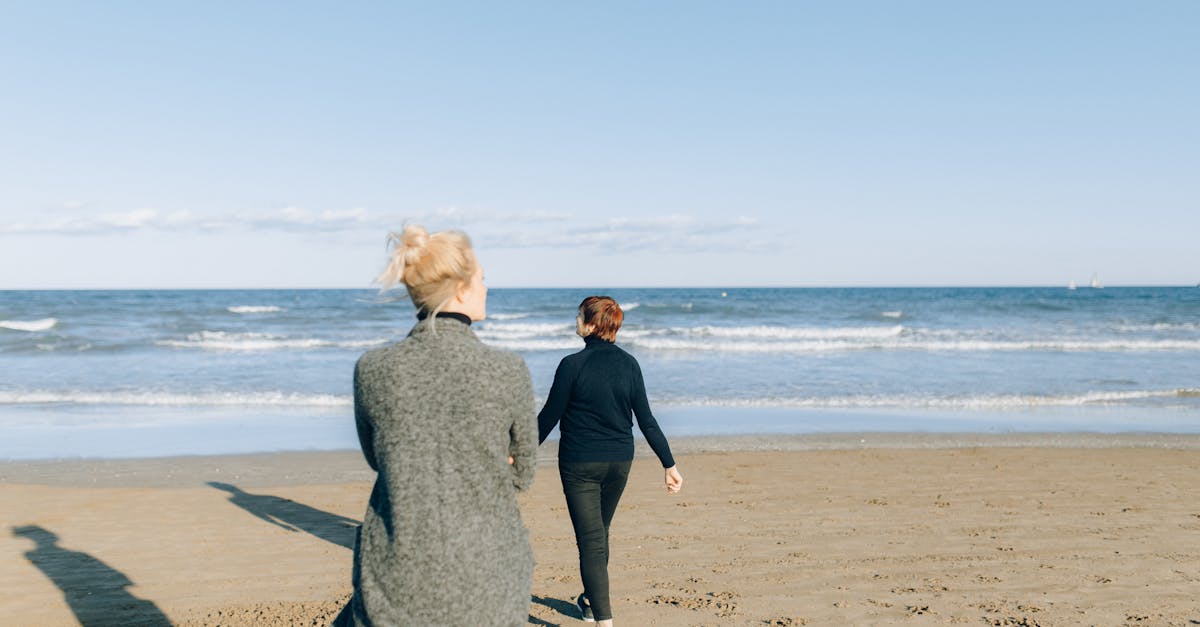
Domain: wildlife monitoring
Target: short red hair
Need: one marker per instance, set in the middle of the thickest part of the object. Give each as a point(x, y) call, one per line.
point(603, 315)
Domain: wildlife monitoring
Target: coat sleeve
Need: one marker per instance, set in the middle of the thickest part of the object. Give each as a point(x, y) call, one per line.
point(646, 422)
point(556, 401)
point(363, 421)
point(522, 434)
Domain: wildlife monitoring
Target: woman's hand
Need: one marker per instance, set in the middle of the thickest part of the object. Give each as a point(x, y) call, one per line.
point(673, 479)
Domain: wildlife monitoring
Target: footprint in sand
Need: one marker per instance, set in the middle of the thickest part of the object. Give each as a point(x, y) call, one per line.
point(722, 603)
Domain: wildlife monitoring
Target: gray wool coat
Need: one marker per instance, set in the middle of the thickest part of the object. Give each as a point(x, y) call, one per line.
point(442, 541)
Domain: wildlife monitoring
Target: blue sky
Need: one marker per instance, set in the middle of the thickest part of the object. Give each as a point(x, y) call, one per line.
point(233, 144)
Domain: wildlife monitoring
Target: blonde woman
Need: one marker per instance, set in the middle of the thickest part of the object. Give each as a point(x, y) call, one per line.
point(448, 424)
point(595, 396)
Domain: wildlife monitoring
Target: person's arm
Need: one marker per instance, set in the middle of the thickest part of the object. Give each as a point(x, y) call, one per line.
point(556, 401)
point(653, 434)
point(363, 422)
point(646, 422)
point(522, 434)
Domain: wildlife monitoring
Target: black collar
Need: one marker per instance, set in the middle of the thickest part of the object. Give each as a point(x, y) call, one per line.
point(463, 318)
point(595, 339)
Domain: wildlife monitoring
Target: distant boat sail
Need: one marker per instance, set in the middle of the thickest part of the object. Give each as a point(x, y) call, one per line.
point(1096, 284)
point(1071, 285)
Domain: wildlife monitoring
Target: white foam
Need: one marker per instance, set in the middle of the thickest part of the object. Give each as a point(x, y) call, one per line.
point(532, 330)
point(566, 343)
point(904, 344)
point(630, 306)
point(507, 316)
point(254, 309)
point(789, 333)
point(1062, 345)
point(275, 399)
point(288, 399)
point(684, 345)
point(523, 330)
point(892, 314)
point(977, 402)
point(44, 324)
point(1160, 326)
point(222, 341)
point(781, 339)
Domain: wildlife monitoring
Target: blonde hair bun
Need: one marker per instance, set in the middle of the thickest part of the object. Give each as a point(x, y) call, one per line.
point(431, 266)
point(407, 248)
point(411, 243)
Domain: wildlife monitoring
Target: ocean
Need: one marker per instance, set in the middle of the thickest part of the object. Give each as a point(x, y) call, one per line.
point(148, 373)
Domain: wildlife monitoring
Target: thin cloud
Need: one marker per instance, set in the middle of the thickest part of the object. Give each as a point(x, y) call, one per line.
point(295, 218)
point(671, 233)
point(286, 219)
point(458, 216)
point(289, 219)
point(136, 219)
point(673, 223)
point(495, 229)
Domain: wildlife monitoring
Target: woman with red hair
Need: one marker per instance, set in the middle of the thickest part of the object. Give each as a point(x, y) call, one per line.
point(595, 396)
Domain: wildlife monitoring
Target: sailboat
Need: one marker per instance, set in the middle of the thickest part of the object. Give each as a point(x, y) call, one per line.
point(1096, 284)
point(1071, 285)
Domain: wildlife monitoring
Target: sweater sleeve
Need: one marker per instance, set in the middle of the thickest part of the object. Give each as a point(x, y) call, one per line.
point(556, 401)
point(522, 435)
point(646, 422)
point(362, 420)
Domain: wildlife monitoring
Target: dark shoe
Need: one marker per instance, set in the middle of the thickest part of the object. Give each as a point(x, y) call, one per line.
point(585, 611)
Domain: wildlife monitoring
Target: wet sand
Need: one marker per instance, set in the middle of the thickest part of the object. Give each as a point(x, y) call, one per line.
point(1034, 529)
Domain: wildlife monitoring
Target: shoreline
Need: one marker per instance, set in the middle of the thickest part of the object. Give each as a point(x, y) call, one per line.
point(86, 433)
point(319, 467)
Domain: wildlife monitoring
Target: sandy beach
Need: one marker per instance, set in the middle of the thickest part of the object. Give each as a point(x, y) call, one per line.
point(814, 530)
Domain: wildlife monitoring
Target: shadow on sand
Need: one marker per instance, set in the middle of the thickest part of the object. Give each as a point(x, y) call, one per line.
point(566, 608)
point(94, 590)
point(293, 516)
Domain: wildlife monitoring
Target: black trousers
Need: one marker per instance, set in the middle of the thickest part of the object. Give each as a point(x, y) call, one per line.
point(593, 490)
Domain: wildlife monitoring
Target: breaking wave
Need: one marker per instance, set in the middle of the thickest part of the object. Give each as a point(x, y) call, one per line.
point(669, 344)
point(985, 401)
point(507, 316)
point(291, 399)
point(799, 340)
point(276, 399)
point(45, 324)
point(222, 341)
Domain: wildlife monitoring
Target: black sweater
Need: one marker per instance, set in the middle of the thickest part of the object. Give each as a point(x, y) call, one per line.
point(595, 392)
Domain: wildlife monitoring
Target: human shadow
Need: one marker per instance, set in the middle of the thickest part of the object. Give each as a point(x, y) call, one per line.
point(566, 608)
point(94, 590)
point(293, 516)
